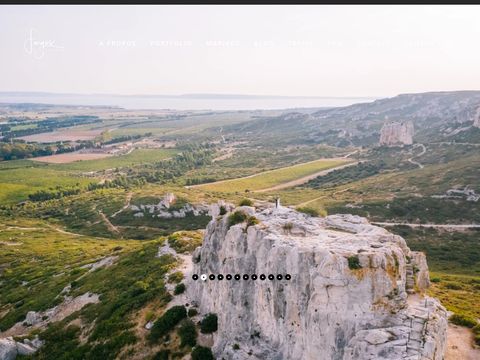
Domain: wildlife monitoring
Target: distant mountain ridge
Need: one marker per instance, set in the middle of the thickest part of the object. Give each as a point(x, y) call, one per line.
point(182, 96)
point(435, 115)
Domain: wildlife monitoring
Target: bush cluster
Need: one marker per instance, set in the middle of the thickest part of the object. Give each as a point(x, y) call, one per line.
point(187, 333)
point(354, 262)
point(209, 324)
point(237, 217)
point(202, 353)
point(167, 322)
point(245, 202)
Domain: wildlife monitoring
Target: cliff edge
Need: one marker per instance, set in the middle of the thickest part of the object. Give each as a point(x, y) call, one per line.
point(356, 290)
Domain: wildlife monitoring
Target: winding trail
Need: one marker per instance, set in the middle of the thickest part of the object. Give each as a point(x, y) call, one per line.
point(424, 150)
point(127, 204)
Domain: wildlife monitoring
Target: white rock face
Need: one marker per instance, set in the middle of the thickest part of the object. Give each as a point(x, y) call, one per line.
point(394, 134)
point(476, 120)
point(327, 310)
point(8, 349)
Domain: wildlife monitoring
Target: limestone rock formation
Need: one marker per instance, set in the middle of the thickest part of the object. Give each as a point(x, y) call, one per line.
point(395, 134)
point(476, 120)
point(346, 299)
point(9, 348)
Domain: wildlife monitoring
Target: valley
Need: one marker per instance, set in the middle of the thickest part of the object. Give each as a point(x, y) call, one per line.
point(106, 224)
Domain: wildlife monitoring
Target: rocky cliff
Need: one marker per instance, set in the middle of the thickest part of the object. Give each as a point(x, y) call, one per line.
point(347, 297)
point(394, 133)
point(476, 120)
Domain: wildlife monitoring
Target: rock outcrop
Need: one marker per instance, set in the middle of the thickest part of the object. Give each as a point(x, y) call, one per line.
point(395, 134)
point(346, 298)
point(476, 120)
point(9, 348)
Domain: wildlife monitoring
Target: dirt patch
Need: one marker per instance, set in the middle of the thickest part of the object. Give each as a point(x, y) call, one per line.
point(71, 157)
point(63, 135)
point(460, 344)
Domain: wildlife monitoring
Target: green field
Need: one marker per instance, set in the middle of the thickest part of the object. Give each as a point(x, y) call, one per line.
point(16, 184)
point(271, 178)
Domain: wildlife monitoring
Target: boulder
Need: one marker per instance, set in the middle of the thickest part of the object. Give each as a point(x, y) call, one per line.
point(8, 349)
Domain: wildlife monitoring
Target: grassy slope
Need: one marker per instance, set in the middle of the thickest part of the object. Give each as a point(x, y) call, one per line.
point(17, 184)
point(34, 273)
point(272, 178)
point(46, 260)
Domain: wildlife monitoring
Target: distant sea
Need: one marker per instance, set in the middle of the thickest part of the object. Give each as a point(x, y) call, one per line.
point(184, 102)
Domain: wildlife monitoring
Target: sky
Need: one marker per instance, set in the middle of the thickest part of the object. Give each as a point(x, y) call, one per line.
point(264, 50)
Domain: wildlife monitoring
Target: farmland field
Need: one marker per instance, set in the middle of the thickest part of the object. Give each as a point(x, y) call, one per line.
point(138, 156)
point(272, 178)
point(16, 184)
point(71, 157)
point(63, 135)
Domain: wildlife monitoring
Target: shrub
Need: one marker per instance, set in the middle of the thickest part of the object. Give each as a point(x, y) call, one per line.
point(354, 262)
point(202, 353)
point(179, 289)
point(476, 332)
point(435, 279)
point(187, 333)
point(192, 312)
point(197, 259)
point(463, 320)
point(236, 218)
point(308, 211)
point(209, 323)
point(167, 322)
point(149, 315)
point(223, 210)
point(252, 220)
point(161, 355)
point(175, 277)
point(236, 347)
point(453, 286)
point(245, 202)
point(287, 227)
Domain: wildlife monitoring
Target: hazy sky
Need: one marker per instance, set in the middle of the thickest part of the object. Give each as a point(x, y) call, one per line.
point(276, 50)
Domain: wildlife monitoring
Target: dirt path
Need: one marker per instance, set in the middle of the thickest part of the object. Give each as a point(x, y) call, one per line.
point(459, 344)
point(304, 179)
point(410, 160)
point(110, 226)
point(268, 171)
point(321, 197)
point(63, 231)
point(127, 204)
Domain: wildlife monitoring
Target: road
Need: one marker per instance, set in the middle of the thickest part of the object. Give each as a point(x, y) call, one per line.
point(266, 172)
point(304, 179)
